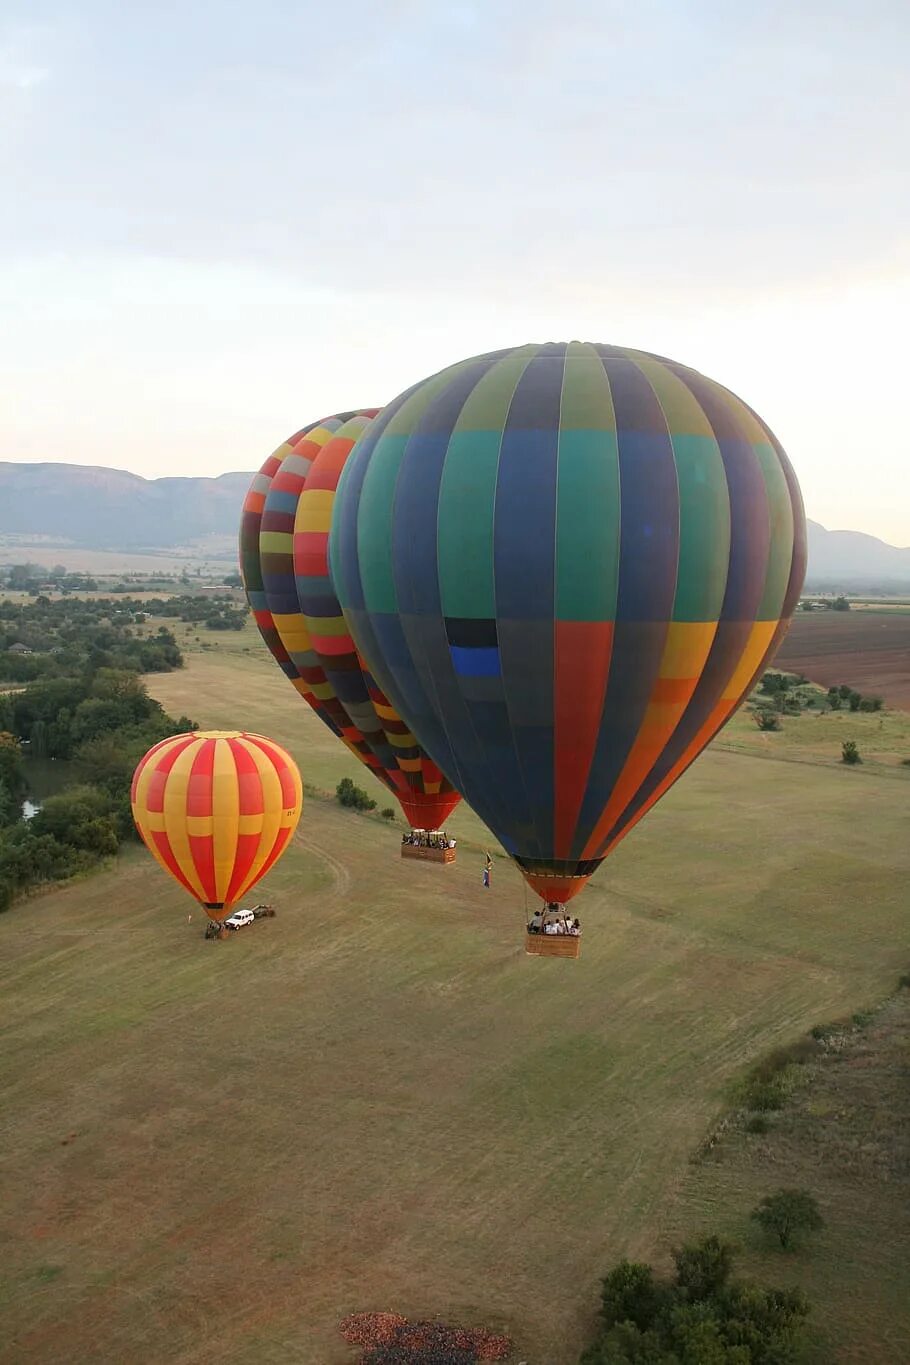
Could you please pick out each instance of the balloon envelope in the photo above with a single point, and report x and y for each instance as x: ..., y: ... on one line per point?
x: 217, y: 810
x: 568, y: 563
x: 284, y: 534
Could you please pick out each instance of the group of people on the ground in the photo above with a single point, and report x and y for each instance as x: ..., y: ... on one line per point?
x: 552, y: 919
x: 434, y: 838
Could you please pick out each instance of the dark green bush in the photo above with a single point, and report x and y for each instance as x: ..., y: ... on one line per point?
x: 757, y: 1123
x: 353, y: 797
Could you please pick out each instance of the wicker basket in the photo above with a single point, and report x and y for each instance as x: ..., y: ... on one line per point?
x: 428, y: 855
x: 552, y: 945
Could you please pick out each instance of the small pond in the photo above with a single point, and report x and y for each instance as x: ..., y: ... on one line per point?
x: 45, y: 776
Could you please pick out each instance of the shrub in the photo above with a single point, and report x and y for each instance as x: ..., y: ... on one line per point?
x: 766, y: 1095
x: 703, y: 1269
x: 352, y: 796
x: 850, y: 752
x: 787, y: 1214
x: 387, y: 813
x: 767, y: 720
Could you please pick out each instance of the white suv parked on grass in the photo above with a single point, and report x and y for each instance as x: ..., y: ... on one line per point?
x: 239, y: 919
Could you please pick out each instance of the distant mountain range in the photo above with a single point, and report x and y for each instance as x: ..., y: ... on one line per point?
x: 110, y: 509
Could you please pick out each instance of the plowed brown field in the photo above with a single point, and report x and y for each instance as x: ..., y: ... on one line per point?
x: 868, y: 650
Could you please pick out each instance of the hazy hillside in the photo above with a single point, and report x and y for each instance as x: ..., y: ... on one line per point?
x: 844, y: 557
x: 112, y: 509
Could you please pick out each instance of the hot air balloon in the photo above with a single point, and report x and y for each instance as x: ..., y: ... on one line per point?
x: 217, y: 809
x: 300, y: 620
x: 568, y: 564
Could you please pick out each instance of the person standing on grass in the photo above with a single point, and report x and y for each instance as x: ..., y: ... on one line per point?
x: 487, y: 871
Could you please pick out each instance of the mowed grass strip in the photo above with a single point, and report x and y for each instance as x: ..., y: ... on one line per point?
x: 376, y: 1100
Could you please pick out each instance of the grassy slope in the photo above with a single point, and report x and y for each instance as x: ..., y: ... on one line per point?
x: 376, y: 1100
x: 846, y: 1137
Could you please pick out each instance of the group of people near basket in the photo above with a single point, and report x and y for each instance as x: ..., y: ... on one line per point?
x: 436, y: 838
x: 553, y: 920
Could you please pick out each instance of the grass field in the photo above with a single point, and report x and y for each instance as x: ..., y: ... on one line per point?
x: 376, y: 1100
x: 869, y: 650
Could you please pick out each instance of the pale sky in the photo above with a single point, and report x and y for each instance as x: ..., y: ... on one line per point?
x: 220, y: 220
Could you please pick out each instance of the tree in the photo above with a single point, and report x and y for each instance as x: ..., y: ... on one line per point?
x: 702, y: 1318
x: 767, y: 720
x: 854, y: 700
x: 354, y: 797
x: 12, y: 775
x: 833, y: 699
x: 629, y: 1294
x: 850, y: 752
x: 703, y: 1269
x: 80, y: 817
x: 840, y: 604
x: 788, y: 1213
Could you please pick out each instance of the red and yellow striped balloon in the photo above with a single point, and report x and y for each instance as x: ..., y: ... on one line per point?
x: 217, y: 809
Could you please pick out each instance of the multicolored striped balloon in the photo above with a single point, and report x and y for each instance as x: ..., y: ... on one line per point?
x: 217, y: 809
x: 283, y: 538
x: 568, y: 563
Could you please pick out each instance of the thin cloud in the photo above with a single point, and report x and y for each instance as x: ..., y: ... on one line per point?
x: 20, y: 65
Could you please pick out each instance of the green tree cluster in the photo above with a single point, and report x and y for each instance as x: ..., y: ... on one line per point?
x: 839, y: 697
x: 702, y: 1317
x: 355, y: 798
x: 103, y: 721
x: 66, y: 637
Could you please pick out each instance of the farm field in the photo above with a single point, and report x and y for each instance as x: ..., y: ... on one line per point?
x: 79, y: 559
x: 232, y: 670
x: 211, y: 1152
x: 868, y: 649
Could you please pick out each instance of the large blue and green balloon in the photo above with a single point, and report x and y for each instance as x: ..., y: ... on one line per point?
x: 566, y: 564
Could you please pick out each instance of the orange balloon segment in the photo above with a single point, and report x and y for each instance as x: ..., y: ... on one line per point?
x: 217, y: 809
x: 555, y: 888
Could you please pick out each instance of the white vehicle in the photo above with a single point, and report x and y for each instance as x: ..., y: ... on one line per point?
x: 239, y: 919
